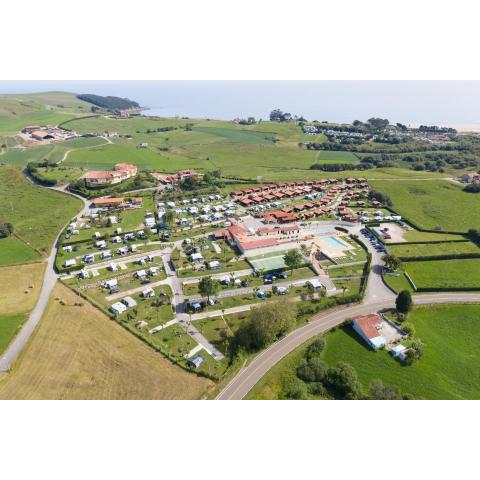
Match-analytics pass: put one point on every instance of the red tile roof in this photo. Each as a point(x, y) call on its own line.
point(367, 324)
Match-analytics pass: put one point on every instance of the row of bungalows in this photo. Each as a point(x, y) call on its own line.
point(346, 214)
point(285, 189)
point(288, 215)
point(117, 202)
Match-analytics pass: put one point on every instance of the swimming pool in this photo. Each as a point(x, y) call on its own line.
point(334, 242)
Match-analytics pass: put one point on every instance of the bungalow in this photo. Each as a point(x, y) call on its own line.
point(110, 284)
point(118, 308)
point(104, 202)
point(70, 263)
point(148, 293)
point(196, 257)
point(197, 360)
point(129, 302)
point(368, 327)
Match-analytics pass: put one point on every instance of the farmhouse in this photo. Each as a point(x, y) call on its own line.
point(174, 178)
point(120, 173)
point(369, 328)
point(42, 135)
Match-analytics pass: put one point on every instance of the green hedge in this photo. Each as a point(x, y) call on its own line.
point(458, 256)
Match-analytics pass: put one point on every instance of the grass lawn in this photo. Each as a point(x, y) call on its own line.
point(449, 368)
point(429, 249)
point(432, 204)
point(445, 274)
point(9, 326)
point(418, 236)
point(19, 287)
point(398, 282)
point(91, 357)
point(36, 213)
point(14, 251)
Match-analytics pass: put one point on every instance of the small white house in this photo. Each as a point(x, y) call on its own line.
point(110, 284)
point(84, 274)
point(116, 239)
point(129, 302)
point(113, 267)
point(106, 254)
point(153, 271)
point(123, 250)
point(148, 293)
point(101, 244)
point(197, 257)
point(140, 274)
point(315, 283)
point(118, 308)
point(113, 219)
point(214, 265)
point(70, 263)
point(68, 248)
point(369, 327)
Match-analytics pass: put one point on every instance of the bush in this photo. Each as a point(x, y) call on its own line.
point(316, 347)
point(409, 329)
point(293, 388)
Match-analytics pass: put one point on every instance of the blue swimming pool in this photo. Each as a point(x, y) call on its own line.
point(334, 242)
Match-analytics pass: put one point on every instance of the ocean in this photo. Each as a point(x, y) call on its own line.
point(452, 103)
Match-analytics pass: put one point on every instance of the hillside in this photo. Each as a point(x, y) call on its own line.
point(109, 102)
point(52, 108)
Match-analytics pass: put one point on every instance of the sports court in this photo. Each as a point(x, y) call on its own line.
point(268, 263)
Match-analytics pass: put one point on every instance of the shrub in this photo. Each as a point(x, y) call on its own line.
point(409, 329)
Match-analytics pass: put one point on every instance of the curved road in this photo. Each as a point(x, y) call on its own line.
point(250, 375)
point(49, 280)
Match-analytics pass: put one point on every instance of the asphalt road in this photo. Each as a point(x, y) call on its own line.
point(251, 374)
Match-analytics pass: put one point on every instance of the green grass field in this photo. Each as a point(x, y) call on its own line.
point(449, 368)
point(13, 251)
point(49, 108)
point(9, 326)
point(430, 249)
point(445, 274)
point(36, 213)
point(432, 204)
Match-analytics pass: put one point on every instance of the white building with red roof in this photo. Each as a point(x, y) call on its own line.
point(120, 173)
point(369, 327)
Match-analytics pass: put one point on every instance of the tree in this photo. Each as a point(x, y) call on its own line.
point(392, 262)
point(377, 123)
point(293, 259)
point(378, 391)
point(314, 370)
point(316, 348)
point(404, 302)
point(168, 218)
point(343, 380)
point(409, 329)
point(6, 229)
point(208, 287)
point(266, 324)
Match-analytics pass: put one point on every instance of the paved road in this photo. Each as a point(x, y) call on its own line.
point(250, 375)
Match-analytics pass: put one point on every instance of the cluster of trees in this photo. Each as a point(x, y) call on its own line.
point(436, 129)
point(472, 188)
point(392, 262)
point(265, 325)
point(6, 229)
point(109, 102)
point(212, 178)
point(314, 377)
point(340, 167)
point(374, 123)
point(383, 198)
point(278, 116)
point(159, 129)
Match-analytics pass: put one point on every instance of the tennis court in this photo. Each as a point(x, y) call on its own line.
point(268, 263)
